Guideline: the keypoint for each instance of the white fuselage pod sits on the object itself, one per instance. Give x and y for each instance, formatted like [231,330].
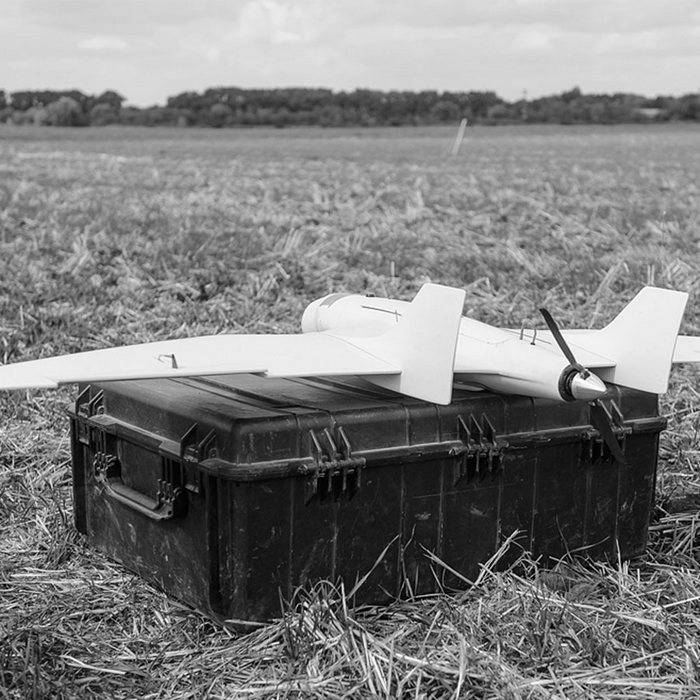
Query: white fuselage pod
[486,356]
[354,314]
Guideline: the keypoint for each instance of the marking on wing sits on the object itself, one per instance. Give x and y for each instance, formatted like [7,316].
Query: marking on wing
[332,298]
[393,313]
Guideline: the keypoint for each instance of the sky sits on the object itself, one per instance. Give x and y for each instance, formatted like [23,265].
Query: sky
[150,49]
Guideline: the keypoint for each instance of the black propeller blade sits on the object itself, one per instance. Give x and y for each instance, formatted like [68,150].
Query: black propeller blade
[603,423]
[563,345]
[600,416]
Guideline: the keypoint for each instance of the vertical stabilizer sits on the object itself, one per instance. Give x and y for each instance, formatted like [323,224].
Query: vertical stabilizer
[423,344]
[642,338]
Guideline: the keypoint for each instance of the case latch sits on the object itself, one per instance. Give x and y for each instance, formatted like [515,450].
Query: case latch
[336,473]
[482,454]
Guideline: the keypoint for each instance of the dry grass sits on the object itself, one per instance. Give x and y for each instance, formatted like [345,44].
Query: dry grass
[111,236]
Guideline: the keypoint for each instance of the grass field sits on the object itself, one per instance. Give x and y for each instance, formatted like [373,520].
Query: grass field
[120,235]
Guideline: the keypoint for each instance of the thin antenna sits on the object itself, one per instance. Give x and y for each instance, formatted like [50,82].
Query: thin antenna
[459,138]
[170,356]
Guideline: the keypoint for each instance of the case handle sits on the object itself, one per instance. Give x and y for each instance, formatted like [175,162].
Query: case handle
[164,507]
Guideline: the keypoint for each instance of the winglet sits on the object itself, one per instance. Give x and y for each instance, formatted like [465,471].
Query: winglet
[424,344]
[642,338]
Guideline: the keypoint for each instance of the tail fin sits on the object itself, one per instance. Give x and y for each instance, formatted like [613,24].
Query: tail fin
[424,344]
[642,338]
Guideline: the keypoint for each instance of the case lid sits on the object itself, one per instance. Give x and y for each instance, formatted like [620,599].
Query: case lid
[246,427]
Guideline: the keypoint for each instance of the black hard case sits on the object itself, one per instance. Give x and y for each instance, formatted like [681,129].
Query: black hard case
[230,492]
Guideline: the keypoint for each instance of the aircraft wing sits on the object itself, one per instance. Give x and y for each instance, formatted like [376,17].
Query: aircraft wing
[415,357]
[309,354]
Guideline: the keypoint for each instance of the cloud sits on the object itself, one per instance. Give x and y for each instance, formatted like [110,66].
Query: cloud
[103,43]
[268,20]
[533,40]
[659,44]
[592,16]
[148,50]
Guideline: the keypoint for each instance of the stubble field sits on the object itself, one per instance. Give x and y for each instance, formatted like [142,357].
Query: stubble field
[112,236]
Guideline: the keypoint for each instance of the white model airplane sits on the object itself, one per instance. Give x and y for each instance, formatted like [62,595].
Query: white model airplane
[416,348]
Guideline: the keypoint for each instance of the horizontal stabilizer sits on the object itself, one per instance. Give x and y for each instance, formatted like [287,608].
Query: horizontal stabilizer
[687,349]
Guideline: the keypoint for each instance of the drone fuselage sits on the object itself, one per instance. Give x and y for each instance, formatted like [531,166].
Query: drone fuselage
[510,362]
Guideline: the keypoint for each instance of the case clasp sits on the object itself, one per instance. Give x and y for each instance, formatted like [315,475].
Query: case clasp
[482,455]
[336,473]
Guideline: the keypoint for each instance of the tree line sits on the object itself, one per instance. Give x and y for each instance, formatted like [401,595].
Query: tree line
[280,107]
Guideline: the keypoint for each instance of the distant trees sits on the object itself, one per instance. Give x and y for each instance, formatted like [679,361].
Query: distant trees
[233,106]
[105,108]
[27,99]
[111,98]
[103,113]
[220,114]
[685,107]
[62,107]
[65,111]
[445,111]
[319,106]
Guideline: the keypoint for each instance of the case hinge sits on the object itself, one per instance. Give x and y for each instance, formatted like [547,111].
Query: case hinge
[336,473]
[87,406]
[192,452]
[482,455]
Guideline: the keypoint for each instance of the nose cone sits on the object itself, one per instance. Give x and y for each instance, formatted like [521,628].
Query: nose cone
[588,388]
[309,320]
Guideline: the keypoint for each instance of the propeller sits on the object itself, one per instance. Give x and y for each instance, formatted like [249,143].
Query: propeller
[577,382]
[563,346]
